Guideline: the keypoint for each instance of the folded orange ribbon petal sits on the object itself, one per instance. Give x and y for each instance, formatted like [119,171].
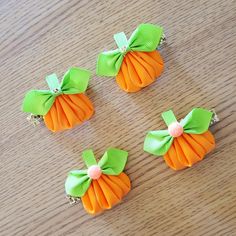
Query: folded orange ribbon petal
[139,69]
[105,192]
[68,111]
[188,149]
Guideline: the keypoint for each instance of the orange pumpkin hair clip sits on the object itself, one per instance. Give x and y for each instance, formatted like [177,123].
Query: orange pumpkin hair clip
[185,142]
[102,185]
[136,63]
[64,105]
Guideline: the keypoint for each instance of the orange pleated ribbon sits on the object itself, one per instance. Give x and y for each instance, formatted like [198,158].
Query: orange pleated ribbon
[188,149]
[105,192]
[139,69]
[67,111]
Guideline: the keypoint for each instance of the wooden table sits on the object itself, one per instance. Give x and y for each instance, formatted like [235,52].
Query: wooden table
[41,37]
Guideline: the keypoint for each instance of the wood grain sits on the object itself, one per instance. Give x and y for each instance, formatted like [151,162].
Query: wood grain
[41,37]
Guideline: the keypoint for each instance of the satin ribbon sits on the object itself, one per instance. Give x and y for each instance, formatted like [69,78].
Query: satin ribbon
[112,163]
[39,102]
[145,38]
[196,122]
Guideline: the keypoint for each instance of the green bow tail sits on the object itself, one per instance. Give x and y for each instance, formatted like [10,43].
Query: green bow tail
[145,38]
[196,122]
[39,102]
[112,163]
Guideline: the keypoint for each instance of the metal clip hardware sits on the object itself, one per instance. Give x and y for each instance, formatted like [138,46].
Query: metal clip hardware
[214,118]
[162,41]
[73,200]
[35,119]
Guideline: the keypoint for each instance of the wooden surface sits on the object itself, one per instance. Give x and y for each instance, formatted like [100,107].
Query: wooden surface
[41,37]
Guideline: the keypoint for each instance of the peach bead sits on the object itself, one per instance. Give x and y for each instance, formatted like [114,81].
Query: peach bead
[94,172]
[175,129]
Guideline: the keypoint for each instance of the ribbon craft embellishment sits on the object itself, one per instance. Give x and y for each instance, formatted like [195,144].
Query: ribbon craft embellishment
[136,63]
[65,104]
[185,142]
[103,184]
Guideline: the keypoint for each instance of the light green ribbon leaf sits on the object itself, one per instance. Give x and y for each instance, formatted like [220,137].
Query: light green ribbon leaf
[158,141]
[112,163]
[196,122]
[145,38]
[75,81]
[77,183]
[39,102]
[109,63]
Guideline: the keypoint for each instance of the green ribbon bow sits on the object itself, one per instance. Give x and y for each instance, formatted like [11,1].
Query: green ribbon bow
[145,38]
[196,122]
[39,102]
[112,163]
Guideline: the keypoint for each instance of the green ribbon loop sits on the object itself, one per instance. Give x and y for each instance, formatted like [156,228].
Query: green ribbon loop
[39,102]
[77,183]
[112,163]
[145,38]
[157,142]
[196,122]
[89,158]
[168,117]
[53,83]
[121,41]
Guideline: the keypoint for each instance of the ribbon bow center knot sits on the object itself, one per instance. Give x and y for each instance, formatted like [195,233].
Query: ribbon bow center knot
[175,129]
[57,91]
[123,49]
[94,172]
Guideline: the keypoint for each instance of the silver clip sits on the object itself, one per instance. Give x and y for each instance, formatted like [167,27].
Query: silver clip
[214,118]
[35,119]
[73,200]
[123,49]
[162,41]
[56,90]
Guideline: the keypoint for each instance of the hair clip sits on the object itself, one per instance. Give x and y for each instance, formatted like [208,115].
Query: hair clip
[103,184]
[185,142]
[64,105]
[136,63]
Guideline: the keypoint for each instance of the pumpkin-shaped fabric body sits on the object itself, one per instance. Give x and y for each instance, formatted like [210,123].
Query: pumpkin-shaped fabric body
[68,111]
[139,69]
[105,192]
[188,149]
